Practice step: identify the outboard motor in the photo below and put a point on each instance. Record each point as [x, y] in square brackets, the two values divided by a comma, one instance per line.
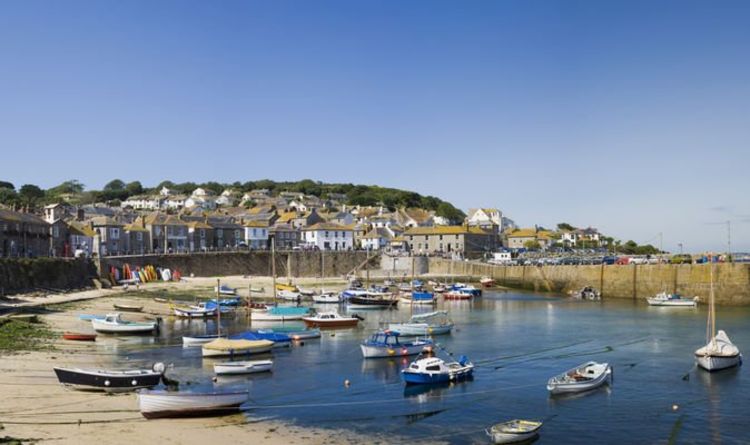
[463, 360]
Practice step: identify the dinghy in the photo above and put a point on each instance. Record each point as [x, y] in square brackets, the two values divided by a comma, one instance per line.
[585, 377]
[431, 323]
[372, 302]
[487, 282]
[418, 298]
[514, 431]
[435, 370]
[225, 347]
[330, 319]
[225, 290]
[127, 307]
[326, 298]
[199, 311]
[288, 295]
[77, 336]
[387, 344]
[248, 367]
[114, 324]
[719, 352]
[459, 294]
[110, 381]
[199, 339]
[155, 404]
[587, 293]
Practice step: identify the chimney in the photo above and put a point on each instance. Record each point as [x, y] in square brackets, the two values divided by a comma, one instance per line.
[79, 214]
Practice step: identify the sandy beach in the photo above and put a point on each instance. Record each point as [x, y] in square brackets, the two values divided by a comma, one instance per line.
[34, 406]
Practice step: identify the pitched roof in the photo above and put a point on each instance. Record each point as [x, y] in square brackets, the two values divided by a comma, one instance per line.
[76, 228]
[377, 233]
[522, 233]
[256, 223]
[447, 230]
[327, 226]
[9, 215]
[163, 219]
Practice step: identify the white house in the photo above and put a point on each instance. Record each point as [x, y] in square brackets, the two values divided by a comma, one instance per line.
[376, 239]
[165, 191]
[485, 217]
[328, 236]
[228, 198]
[256, 234]
[143, 202]
[298, 205]
[202, 193]
[203, 202]
[174, 202]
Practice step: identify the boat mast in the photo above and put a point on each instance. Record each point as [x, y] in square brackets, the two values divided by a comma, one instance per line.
[712, 309]
[367, 269]
[218, 307]
[273, 266]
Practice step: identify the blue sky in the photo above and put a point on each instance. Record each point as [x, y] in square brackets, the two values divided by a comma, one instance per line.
[633, 117]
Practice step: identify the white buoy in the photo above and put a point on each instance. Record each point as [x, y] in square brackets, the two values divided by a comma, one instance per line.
[675, 407]
[347, 383]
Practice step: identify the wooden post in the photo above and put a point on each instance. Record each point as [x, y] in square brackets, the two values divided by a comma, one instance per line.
[218, 307]
[273, 267]
[635, 281]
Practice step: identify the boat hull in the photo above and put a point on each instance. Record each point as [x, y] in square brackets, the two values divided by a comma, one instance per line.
[673, 303]
[136, 328]
[155, 405]
[717, 363]
[208, 352]
[237, 368]
[79, 337]
[198, 340]
[557, 387]
[188, 313]
[341, 323]
[371, 351]
[88, 380]
[423, 330]
[127, 308]
[416, 378]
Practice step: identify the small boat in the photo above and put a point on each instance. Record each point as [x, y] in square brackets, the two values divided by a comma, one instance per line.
[155, 404]
[199, 339]
[459, 294]
[223, 347]
[280, 313]
[587, 293]
[127, 307]
[676, 300]
[199, 311]
[585, 377]
[279, 340]
[436, 370]
[77, 336]
[418, 298]
[114, 324]
[326, 298]
[370, 302]
[487, 282]
[288, 295]
[110, 381]
[287, 287]
[514, 431]
[432, 323]
[466, 288]
[294, 334]
[257, 290]
[720, 353]
[386, 344]
[305, 292]
[249, 367]
[160, 300]
[89, 317]
[439, 289]
[225, 290]
[330, 319]
[388, 282]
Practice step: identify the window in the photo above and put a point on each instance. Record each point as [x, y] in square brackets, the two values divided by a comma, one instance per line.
[157, 230]
[441, 237]
[326, 234]
[456, 236]
[139, 236]
[255, 233]
[114, 233]
[433, 368]
[237, 234]
[202, 233]
[55, 231]
[219, 234]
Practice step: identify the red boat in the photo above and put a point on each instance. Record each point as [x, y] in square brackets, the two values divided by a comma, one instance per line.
[78, 336]
[457, 295]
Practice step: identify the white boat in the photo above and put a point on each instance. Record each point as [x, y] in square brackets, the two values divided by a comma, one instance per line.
[432, 323]
[248, 367]
[155, 404]
[387, 344]
[288, 295]
[677, 300]
[330, 319]
[408, 298]
[225, 347]
[435, 370]
[585, 377]
[225, 290]
[198, 340]
[305, 292]
[514, 431]
[114, 324]
[198, 311]
[587, 293]
[327, 298]
[295, 335]
[719, 352]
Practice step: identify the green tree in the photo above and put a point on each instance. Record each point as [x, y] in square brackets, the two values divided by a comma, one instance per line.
[30, 194]
[114, 185]
[72, 187]
[7, 185]
[8, 197]
[134, 188]
[454, 215]
[565, 226]
[532, 245]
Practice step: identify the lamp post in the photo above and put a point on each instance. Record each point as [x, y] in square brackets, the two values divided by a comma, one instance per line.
[680, 244]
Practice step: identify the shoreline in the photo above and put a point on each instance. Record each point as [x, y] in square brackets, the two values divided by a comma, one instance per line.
[35, 407]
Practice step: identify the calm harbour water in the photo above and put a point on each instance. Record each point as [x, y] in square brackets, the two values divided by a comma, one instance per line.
[518, 340]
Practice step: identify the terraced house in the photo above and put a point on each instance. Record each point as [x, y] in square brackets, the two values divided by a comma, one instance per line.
[23, 235]
[471, 242]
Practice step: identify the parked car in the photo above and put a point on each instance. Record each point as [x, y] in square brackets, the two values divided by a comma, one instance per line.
[682, 258]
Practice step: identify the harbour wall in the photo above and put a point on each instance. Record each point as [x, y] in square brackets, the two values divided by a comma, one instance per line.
[731, 281]
[288, 263]
[45, 274]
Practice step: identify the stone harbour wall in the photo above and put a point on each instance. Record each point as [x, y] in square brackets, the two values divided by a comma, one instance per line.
[44, 274]
[731, 281]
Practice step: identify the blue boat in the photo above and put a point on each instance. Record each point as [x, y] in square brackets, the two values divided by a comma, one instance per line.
[435, 370]
[386, 344]
[466, 288]
[279, 340]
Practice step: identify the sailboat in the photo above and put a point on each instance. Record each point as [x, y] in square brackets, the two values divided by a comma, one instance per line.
[719, 353]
